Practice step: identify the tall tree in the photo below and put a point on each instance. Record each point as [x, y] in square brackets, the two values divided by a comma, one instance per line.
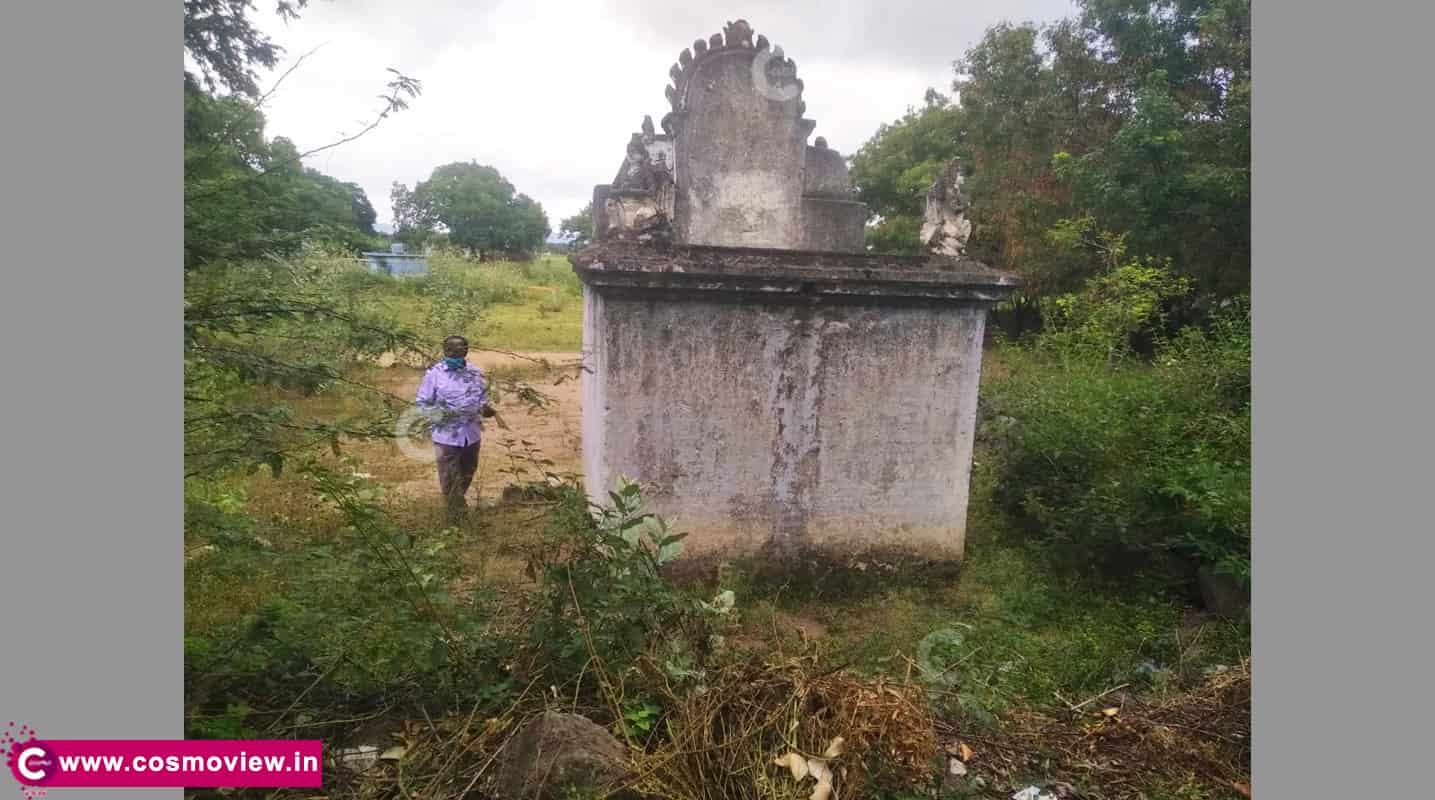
[477, 207]
[225, 45]
[1176, 176]
[245, 196]
[893, 170]
[1123, 130]
[364, 213]
[1017, 114]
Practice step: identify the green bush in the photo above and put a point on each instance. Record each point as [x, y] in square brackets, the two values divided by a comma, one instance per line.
[1120, 466]
[367, 617]
[605, 598]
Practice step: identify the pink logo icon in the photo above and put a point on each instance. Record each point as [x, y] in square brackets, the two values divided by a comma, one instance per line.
[31, 761]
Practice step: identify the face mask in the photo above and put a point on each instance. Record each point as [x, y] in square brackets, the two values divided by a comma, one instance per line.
[454, 363]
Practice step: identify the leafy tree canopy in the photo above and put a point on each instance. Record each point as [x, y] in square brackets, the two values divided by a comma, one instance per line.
[1130, 122]
[476, 206]
[245, 196]
[226, 47]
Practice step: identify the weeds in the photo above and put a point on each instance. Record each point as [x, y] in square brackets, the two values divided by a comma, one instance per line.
[605, 601]
[338, 607]
[368, 619]
[1120, 468]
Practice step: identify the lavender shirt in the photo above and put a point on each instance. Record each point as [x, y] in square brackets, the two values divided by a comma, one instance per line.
[456, 397]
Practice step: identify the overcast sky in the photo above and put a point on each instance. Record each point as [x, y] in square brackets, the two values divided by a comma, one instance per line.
[548, 91]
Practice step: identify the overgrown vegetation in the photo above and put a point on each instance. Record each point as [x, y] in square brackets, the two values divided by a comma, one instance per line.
[367, 617]
[1134, 116]
[1124, 466]
[605, 596]
[325, 599]
[1108, 162]
[246, 196]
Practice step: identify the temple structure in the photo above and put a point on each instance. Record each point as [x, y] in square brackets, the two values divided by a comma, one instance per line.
[784, 390]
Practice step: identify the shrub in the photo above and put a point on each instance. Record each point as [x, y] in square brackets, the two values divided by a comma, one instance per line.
[1122, 467]
[367, 617]
[1115, 310]
[605, 597]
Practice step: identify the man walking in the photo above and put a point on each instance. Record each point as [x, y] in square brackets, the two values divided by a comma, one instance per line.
[455, 395]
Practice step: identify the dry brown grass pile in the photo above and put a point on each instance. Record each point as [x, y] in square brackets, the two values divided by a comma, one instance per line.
[723, 740]
[1121, 746]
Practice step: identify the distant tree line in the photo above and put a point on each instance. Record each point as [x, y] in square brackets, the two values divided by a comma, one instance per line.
[247, 195]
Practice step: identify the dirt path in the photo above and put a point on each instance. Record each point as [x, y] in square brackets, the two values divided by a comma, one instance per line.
[554, 431]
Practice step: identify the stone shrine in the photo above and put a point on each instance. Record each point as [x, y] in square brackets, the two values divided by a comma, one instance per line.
[786, 391]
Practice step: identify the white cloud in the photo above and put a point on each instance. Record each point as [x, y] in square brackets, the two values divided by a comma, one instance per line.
[549, 91]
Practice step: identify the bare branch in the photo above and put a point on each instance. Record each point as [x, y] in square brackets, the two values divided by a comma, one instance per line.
[272, 89]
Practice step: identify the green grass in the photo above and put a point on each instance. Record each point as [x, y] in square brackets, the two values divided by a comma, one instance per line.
[1014, 633]
[537, 324]
[533, 306]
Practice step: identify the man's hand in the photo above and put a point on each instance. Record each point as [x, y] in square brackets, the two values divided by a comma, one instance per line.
[490, 411]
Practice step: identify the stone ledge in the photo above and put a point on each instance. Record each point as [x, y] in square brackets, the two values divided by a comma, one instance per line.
[769, 272]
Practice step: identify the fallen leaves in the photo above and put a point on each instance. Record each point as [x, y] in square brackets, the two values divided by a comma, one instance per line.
[816, 768]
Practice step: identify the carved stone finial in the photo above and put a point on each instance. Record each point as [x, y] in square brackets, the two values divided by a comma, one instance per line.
[945, 227]
[708, 85]
[640, 171]
[739, 34]
[773, 72]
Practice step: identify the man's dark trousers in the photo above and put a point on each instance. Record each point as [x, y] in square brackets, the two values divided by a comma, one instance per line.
[456, 466]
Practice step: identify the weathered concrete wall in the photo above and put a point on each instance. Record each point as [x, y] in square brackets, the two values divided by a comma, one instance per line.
[732, 167]
[839, 426]
[775, 411]
[393, 263]
[832, 219]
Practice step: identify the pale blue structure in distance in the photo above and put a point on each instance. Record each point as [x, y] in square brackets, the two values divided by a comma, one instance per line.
[397, 262]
